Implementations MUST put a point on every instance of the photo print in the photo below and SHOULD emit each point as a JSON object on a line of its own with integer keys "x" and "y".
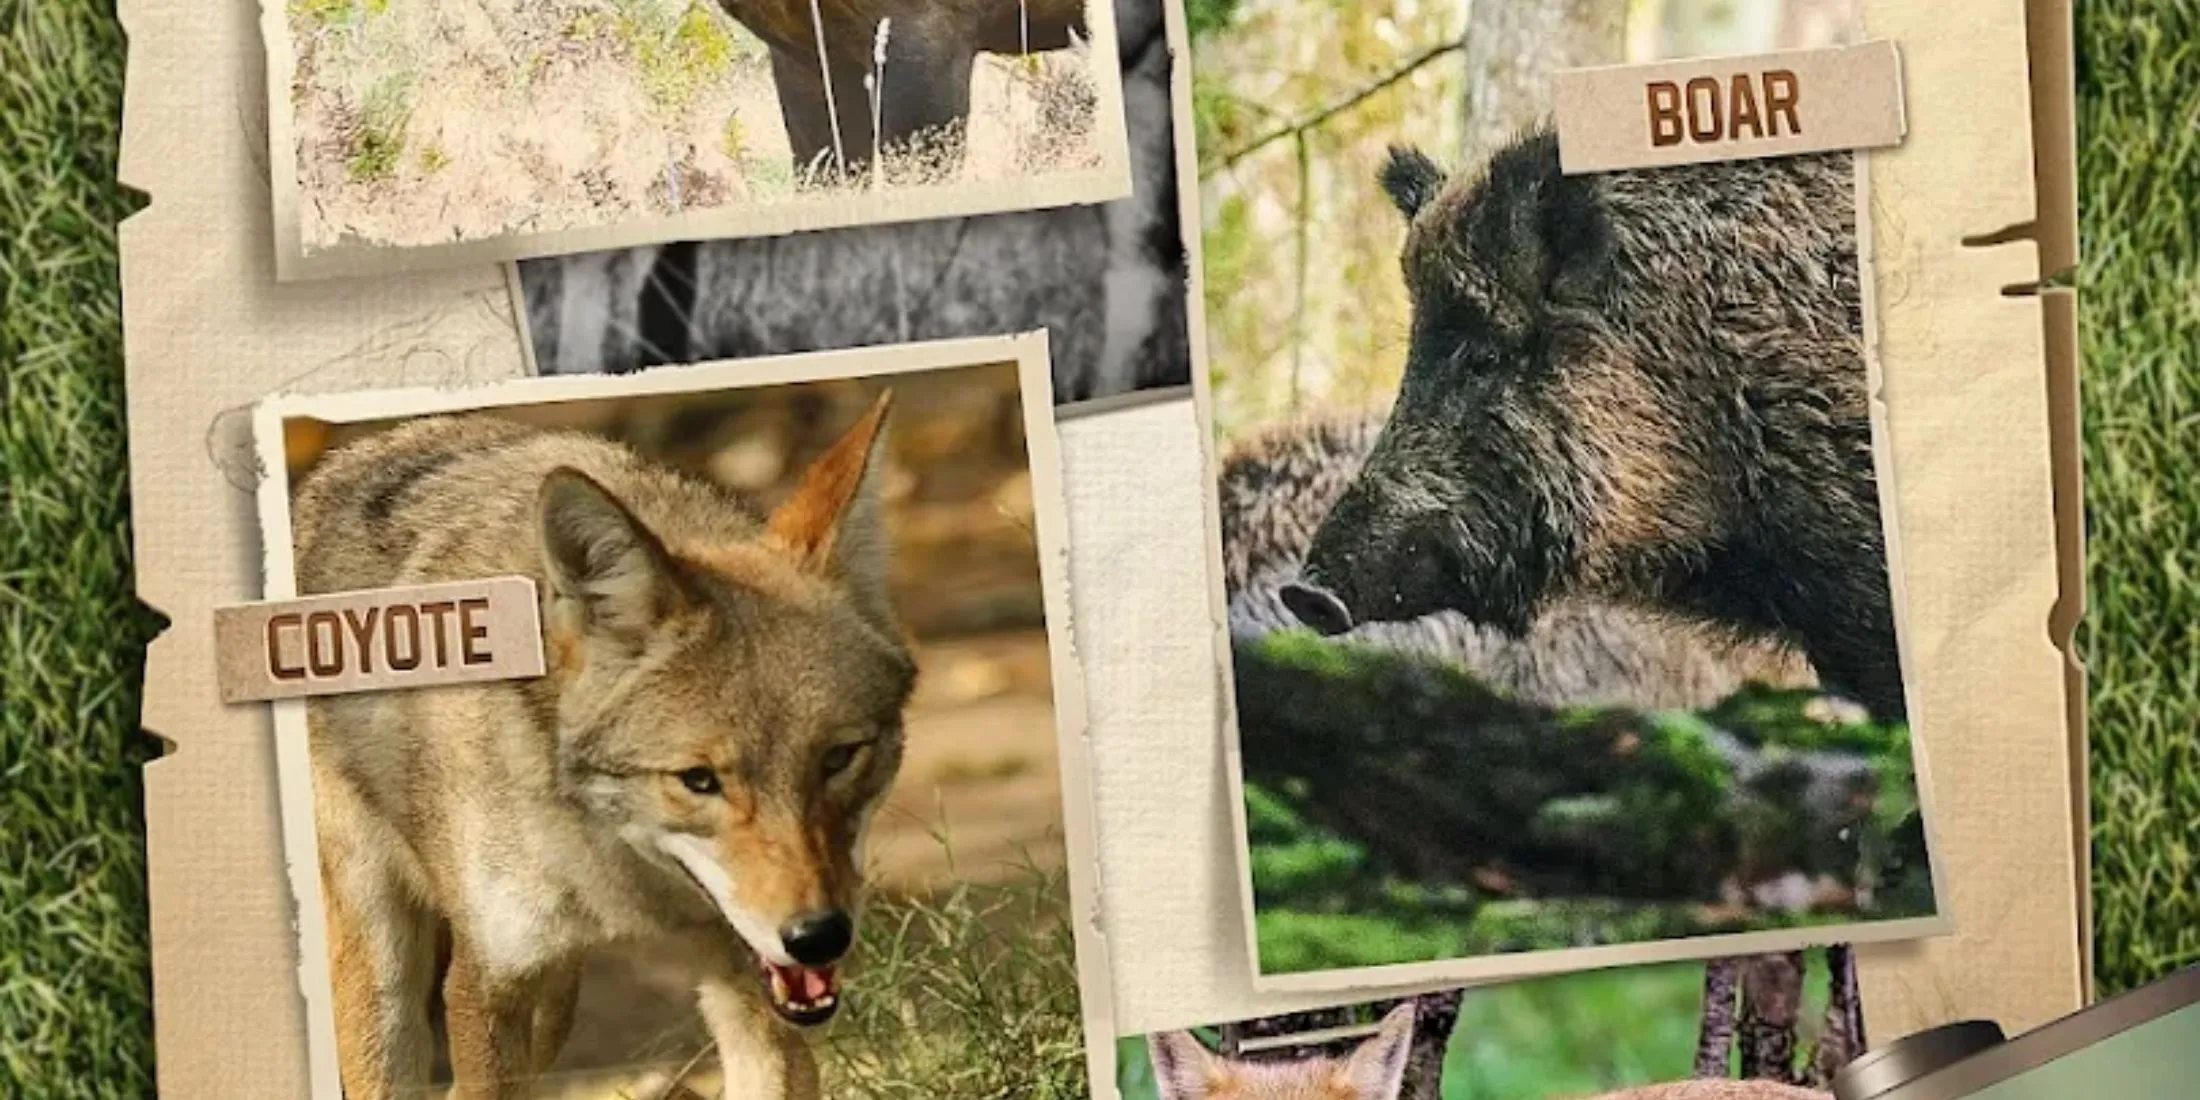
{"x": 1106, "y": 282}
{"x": 420, "y": 133}
{"x": 1562, "y": 613}
{"x": 1759, "y": 1027}
{"x": 798, "y": 808}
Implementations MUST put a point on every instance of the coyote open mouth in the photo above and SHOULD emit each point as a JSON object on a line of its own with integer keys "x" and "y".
{"x": 803, "y": 995}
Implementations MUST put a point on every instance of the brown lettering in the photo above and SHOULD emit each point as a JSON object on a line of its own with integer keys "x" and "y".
{"x": 362, "y": 633}
{"x": 1665, "y": 112}
{"x": 469, "y": 632}
{"x": 327, "y": 661}
{"x": 411, "y": 636}
{"x": 275, "y": 665}
{"x": 1742, "y": 111}
{"x": 1704, "y": 116}
{"x": 1780, "y": 97}
{"x": 436, "y": 611}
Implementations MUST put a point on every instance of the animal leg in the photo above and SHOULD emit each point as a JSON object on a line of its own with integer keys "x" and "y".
{"x": 382, "y": 973}
{"x": 553, "y": 1019}
{"x": 490, "y": 1019}
{"x": 809, "y": 117}
{"x": 762, "y": 1056}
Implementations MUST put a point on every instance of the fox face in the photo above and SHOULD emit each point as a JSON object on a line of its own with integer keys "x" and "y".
{"x": 729, "y": 699}
{"x": 1186, "y": 1070}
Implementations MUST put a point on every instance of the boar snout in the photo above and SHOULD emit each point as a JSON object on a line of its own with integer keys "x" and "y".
{"x": 1317, "y": 607}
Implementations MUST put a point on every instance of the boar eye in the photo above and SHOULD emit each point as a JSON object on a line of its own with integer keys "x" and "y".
{"x": 840, "y": 758}
{"x": 700, "y": 780}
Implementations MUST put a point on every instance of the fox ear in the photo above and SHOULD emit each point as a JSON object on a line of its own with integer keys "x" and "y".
{"x": 1183, "y": 1067}
{"x": 601, "y": 557}
{"x": 1377, "y": 1070}
{"x": 1410, "y": 179}
{"x": 833, "y": 522}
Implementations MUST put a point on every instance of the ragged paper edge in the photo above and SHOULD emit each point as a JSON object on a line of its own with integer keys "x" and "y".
{"x": 2055, "y": 233}
{"x": 1050, "y": 508}
{"x": 1110, "y": 181}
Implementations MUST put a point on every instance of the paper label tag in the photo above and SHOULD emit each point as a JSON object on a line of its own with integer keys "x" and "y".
{"x": 1728, "y": 108}
{"x": 382, "y": 639}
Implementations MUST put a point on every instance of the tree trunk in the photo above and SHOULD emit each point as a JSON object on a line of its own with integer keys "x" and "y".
{"x": 1842, "y": 1037}
{"x": 1513, "y": 47}
{"x": 1715, "y": 1038}
{"x": 1772, "y": 1002}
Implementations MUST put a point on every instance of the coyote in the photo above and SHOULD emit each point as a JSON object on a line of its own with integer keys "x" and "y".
{"x": 722, "y": 712}
{"x": 1184, "y": 1069}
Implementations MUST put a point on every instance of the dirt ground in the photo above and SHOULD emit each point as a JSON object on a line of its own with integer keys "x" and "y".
{"x": 431, "y": 121}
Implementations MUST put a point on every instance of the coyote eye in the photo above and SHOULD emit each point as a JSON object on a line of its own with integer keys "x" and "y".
{"x": 839, "y": 758}
{"x": 700, "y": 780}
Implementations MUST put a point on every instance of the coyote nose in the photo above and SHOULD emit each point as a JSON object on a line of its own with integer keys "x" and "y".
{"x": 815, "y": 939}
{"x": 1318, "y": 608}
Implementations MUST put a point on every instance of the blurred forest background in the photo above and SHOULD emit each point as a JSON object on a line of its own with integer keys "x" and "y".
{"x": 967, "y": 965}
{"x": 1295, "y": 104}
{"x": 1560, "y": 1038}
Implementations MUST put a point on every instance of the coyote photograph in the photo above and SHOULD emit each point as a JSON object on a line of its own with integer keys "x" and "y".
{"x": 785, "y": 816}
{"x": 1761, "y": 1027}
{"x": 403, "y": 124}
{"x": 1561, "y": 603}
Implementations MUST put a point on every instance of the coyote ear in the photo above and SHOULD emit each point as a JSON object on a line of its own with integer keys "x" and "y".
{"x": 1377, "y": 1070}
{"x": 832, "y": 524}
{"x": 601, "y": 557}
{"x": 1411, "y": 179}
{"x": 1183, "y": 1067}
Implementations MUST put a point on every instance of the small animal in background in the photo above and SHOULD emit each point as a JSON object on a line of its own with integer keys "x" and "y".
{"x": 1185, "y": 1069}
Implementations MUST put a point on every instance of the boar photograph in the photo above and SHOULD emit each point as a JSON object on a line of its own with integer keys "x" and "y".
{"x": 414, "y": 124}
{"x": 784, "y": 816}
{"x": 1106, "y": 282}
{"x": 1759, "y": 1027}
{"x": 1554, "y": 552}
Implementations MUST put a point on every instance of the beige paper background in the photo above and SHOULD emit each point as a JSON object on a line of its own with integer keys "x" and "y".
{"x": 1847, "y": 97}
{"x": 208, "y": 330}
{"x": 1109, "y": 181}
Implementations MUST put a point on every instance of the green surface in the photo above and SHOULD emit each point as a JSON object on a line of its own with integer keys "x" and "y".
{"x": 73, "y": 987}
{"x": 75, "y": 1019}
{"x": 2139, "y": 309}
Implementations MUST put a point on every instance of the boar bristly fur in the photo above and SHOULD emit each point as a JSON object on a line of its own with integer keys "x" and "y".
{"x": 1645, "y": 387}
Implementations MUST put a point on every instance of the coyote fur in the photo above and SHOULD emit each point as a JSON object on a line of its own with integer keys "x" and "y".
{"x": 1184, "y": 1069}
{"x": 722, "y": 711}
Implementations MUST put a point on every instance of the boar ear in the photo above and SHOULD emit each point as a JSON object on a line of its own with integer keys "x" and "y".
{"x": 833, "y": 523}
{"x": 1183, "y": 1067}
{"x": 1411, "y": 179}
{"x": 602, "y": 558}
{"x": 1572, "y": 223}
{"x": 1377, "y": 1070}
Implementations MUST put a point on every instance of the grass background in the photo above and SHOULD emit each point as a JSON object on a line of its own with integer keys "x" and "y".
{"x": 74, "y": 1014}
